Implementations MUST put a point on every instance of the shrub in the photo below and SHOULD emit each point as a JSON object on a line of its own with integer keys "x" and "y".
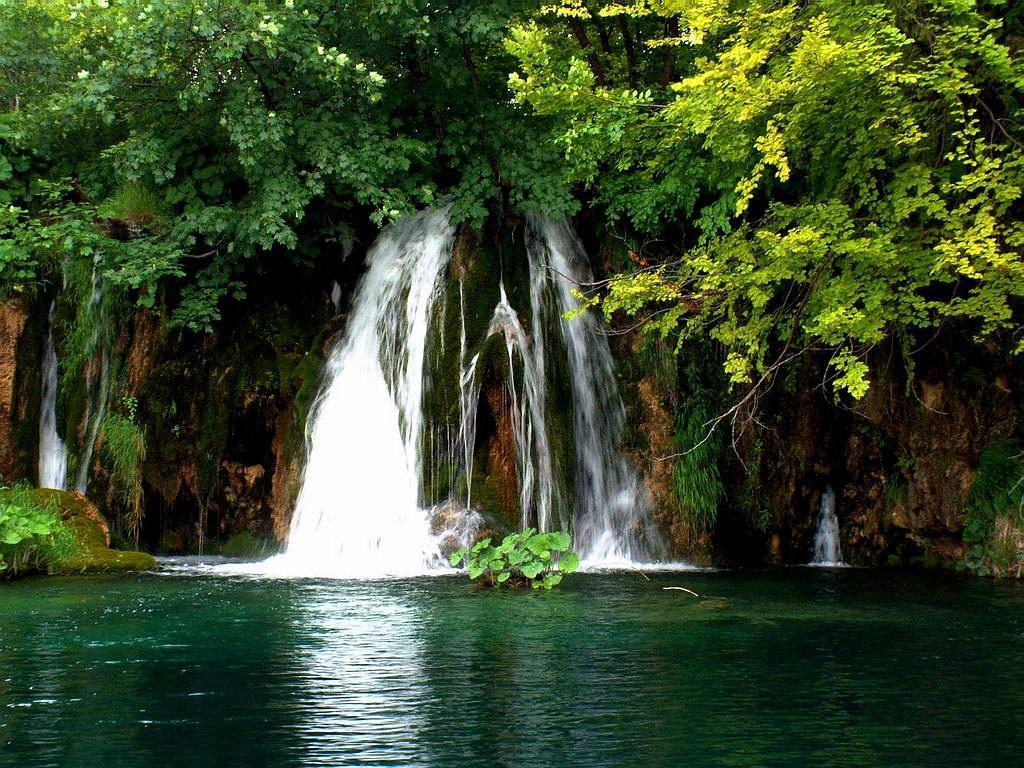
{"x": 124, "y": 448}
{"x": 995, "y": 511}
{"x": 527, "y": 557}
{"x": 31, "y": 531}
{"x": 244, "y": 544}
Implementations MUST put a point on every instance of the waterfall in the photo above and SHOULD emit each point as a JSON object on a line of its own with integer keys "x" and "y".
{"x": 365, "y": 507}
{"x": 826, "y": 538}
{"x": 97, "y": 393}
{"x": 53, "y": 454}
{"x": 469, "y": 399}
{"x": 360, "y": 509}
{"x": 336, "y": 296}
{"x": 533, "y": 454}
{"x": 611, "y": 520}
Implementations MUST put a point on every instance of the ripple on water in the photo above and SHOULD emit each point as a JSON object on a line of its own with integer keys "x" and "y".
{"x": 782, "y": 668}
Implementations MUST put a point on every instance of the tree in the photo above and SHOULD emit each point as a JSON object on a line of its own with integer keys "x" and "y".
{"x": 847, "y": 172}
{"x": 254, "y": 130}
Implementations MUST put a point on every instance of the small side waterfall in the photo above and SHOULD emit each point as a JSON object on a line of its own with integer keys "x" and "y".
{"x": 360, "y": 511}
{"x": 611, "y": 522}
{"x": 336, "y": 296}
{"x": 535, "y": 469}
{"x": 827, "y": 550}
{"x": 97, "y": 389}
{"x": 53, "y": 453}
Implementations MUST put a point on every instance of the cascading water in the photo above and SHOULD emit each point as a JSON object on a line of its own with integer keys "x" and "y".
{"x": 53, "y": 454}
{"x": 611, "y": 521}
{"x": 97, "y": 389}
{"x": 827, "y": 550}
{"x": 365, "y": 507}
{"x": 535, "y": 467}
{"x": 336, "y": 296}
{"x": 360, "y": 510}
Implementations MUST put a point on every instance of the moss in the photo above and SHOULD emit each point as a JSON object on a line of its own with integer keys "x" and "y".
{"x": 212, "y": 437}
{"x": 90, "y": 553}
{"x": 244, "y": 544}
{"x": 492, "y": 498}
{"x": 994, "y": 512}
{"x": 26, "y": 397}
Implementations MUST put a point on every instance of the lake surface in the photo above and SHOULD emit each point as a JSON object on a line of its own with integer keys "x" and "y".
{"x": 778, "y": 668}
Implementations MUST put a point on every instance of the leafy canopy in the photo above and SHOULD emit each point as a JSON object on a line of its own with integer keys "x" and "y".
{"x": 260, "y": 130}
{"x": 845, "y": 171}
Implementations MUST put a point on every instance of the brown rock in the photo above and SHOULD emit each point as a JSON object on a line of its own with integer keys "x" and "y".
{"x": 13, "y": 316}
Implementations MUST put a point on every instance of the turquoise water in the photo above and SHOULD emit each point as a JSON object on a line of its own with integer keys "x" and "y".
{"x": 793, "y": 667}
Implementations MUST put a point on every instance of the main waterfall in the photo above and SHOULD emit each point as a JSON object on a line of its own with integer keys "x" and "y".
{"x": 365, "y": 505}
{"x": 359, "y": 511}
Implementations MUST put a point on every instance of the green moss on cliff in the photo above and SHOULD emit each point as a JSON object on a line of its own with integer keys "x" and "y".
{"x": 87, "y": 550}
{"x": 994, "y": 512}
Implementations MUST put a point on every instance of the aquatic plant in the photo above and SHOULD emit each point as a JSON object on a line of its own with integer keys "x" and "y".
{"x": 526, "y": 557}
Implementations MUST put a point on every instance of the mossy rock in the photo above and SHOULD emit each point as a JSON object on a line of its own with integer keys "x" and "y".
{"x": 244, "y": 544}
{"x": 92, "y": 553}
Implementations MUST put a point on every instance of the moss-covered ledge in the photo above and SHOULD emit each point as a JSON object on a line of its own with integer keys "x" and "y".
{"x": 91, "y": 552}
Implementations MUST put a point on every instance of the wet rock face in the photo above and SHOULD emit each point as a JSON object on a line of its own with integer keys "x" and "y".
{"x": 901, "y": 461}
{"x": 244, "y": 493}
{"x": 286, "y": 478}
{"x": 12, "y": 322}
{"x": 14, "y": 315}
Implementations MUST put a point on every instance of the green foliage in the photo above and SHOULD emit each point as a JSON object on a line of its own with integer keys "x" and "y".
{"x": 527, "y": 557}
{"x": 226, "y": 134}
{"x": 696, "y": 474}
{"x": 845, "y": 170}
{"x": 138, "y": 206}
{"x": 994, "y": 511}
{"x": 124, "y": 450}
{"x": 244, "y": 544}
{"x": 31, "y": 531}
{"x": 700, "y": 450}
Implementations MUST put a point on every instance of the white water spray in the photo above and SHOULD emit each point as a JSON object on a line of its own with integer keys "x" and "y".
{"x": 827, "y": 550}
{"x": 360, "y": 510}
{"x": 611, "y": 522}
{"x": 97, "y": 389}
{"x": 336, "y": 296}
{"x": 53, "y": 453}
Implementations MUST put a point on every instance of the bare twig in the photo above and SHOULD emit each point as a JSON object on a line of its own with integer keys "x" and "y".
{"x": 683, "y": 589}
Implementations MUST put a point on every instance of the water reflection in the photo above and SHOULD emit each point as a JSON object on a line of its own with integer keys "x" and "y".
{"x": 802, "y": 667}
{"x": 359, "y": 684}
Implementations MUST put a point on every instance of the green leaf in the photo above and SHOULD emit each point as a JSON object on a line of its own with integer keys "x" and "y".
{"x": 569, "y": 562}
{"x": 476, "y": 570}
{"x": 552, "y": 580}
{"x": 504, "y": 576}
{"x": 455, "y": 558}
{"x": 559, "y": 541}
{"x": 482, "y": 544}
{"x": 530, "y": 570}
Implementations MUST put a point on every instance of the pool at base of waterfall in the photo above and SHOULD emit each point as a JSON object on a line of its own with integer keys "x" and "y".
{"x": 774, "y": 668}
